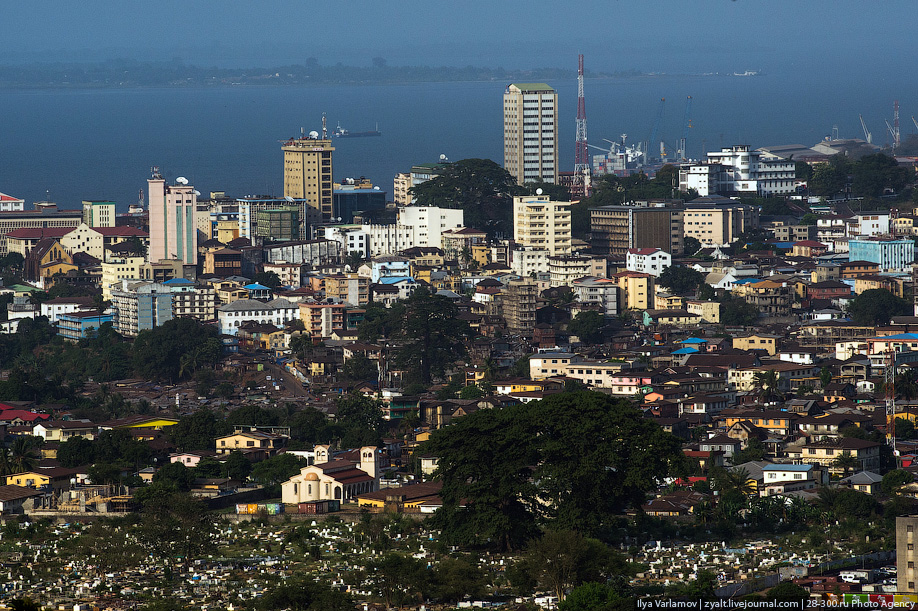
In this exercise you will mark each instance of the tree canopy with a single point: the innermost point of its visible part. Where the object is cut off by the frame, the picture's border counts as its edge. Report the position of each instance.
(594, 457)
(680, 280)
(877, 307)
(587, 326)
(174, 350)
(482, 189)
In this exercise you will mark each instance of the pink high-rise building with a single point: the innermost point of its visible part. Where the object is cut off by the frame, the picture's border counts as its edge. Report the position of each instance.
(173, 233)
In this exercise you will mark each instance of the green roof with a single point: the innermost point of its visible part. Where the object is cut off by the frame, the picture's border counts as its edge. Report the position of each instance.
(532, 86)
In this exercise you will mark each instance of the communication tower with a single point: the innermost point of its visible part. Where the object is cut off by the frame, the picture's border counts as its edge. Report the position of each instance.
(889, 385)
(581, 186)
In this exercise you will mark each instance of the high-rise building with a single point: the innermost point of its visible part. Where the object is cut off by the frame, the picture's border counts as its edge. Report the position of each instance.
(717, 221)
(542, 223)
(308, 172)
(616, 229)
(173, 228)
(531, 132)
(99, 213)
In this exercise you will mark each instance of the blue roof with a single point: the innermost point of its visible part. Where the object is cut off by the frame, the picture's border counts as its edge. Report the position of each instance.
(256, 287)
(746, 280)
(788, 468)
(908, 336)
(685, 350)
(694, 340)
(175, 281)
(395, 279)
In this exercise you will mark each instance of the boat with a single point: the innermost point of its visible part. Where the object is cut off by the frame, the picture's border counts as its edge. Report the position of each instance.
(340, 132)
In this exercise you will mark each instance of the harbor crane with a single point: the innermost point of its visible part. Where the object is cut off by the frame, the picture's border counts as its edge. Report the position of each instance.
(867, 135)
(915, 121)
(655, 132)
(686, 124)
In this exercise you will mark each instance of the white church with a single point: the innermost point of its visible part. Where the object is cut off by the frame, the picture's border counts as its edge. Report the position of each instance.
(342, 478)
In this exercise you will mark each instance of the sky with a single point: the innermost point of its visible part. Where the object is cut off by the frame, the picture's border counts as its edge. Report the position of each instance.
(684, 36)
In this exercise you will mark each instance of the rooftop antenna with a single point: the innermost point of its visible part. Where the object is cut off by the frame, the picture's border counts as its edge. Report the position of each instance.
(324, 128)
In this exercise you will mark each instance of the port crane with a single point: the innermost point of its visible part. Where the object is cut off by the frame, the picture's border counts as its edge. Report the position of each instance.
(867, 135)
(686, 124)
(915, 121)
(655, 132)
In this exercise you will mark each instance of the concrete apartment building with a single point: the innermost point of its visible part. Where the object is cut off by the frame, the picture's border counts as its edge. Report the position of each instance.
(906, 554)
(718, 221)
(99, 213)
(173, 228)
(531, 132)
(519, 305)
(615, 229)
(542, 223)
(737, 169)
(649, 260)
(889, 253)
(308, 173)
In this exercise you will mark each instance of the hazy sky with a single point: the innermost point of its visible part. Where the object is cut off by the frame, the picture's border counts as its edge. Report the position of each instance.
(664, 35)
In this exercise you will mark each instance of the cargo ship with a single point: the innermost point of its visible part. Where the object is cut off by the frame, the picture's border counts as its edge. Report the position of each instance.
(340, 132)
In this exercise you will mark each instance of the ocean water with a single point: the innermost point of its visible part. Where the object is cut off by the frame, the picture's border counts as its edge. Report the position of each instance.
(100, 144)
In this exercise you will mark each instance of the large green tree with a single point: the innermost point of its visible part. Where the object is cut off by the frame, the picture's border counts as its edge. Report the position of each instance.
(430, 336)
(877, 307)
(572, 461)
(174, 350)
(482, 189)
(587, 326)
(680, 280)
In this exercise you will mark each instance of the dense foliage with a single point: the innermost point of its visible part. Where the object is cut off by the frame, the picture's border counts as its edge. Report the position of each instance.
(877, 307)
(574, 460)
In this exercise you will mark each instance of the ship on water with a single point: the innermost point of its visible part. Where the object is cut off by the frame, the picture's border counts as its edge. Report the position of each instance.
(340, 132)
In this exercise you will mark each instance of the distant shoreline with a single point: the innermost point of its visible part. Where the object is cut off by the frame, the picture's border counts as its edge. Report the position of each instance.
(140, 75)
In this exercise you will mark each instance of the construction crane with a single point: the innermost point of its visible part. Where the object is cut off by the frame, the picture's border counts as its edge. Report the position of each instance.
(867, 135)
(686, 124)
(581, 186)
(894, 128)
(914, 121)
(655, 132)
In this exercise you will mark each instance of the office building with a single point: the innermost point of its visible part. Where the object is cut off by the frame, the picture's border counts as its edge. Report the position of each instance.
(248, 209)
(173, 227)
(906, 554)
(278, 224)
(718, 221)
(616, 229)
(531, 132)
(308, 173)
(542, 223)
(737, 169)
(890, 254)
(99, 213)
(357, 198)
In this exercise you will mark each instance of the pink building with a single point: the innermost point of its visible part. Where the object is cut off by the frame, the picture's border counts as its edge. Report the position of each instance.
(173, 233)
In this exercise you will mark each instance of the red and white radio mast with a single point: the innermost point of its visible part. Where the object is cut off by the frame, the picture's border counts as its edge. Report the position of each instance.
(582, 184)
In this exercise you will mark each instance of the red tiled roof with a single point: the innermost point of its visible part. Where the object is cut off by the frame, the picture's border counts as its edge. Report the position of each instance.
(33, 233)
(121, 231)
(8, 198)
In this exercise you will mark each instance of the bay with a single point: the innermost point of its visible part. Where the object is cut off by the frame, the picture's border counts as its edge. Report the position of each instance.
(70, 145)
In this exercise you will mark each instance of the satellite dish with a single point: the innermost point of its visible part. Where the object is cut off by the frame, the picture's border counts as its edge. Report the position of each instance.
(288, 198)
(197, 193)
(538, 191)
(443, 157)
(181, 180)
(314, 135)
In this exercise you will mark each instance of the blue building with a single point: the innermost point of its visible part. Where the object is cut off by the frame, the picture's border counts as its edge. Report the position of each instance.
(77, 325)
(891, 254)
(349, 199)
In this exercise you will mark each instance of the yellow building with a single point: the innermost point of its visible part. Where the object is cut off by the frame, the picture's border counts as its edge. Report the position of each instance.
(227, 231)
(308, 172)
(757, 341)
(542, 223)
(662, 301)
(708, 310)
(637, 290)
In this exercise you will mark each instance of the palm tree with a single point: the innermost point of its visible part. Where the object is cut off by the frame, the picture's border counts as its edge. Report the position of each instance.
(906, 387)
(767, 380)
(22, 457)
(847, 462)
(737, 479)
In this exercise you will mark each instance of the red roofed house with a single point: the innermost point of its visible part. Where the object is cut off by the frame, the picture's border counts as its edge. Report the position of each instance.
(328, 479)
(8, 203)
(648, 260)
